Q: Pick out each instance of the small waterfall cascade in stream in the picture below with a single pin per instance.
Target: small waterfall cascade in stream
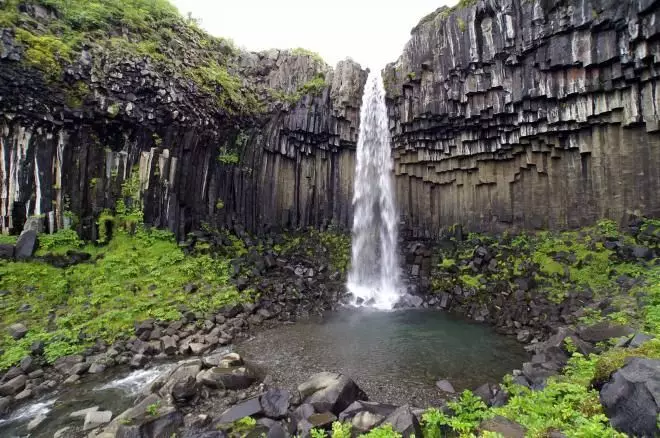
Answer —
(374, 276)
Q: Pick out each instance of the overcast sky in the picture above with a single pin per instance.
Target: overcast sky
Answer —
(372, 32)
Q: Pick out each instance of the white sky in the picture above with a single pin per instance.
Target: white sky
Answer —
(371, 32)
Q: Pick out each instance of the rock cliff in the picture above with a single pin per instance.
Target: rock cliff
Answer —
(184, 124)
(527, 113)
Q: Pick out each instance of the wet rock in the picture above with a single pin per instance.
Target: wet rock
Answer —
(11, 373)
(275, 403)
(79, 368)
(247, 408)
(26, 245)
(184, 389)
(165, 423)
(631, 398)
(94, 419)
(83, 412)
(182, 373)
(503, 426)
(5, 403)
(302, 412)
(603, 331)
(97, 367)
(322, 420)
(36, 422)
(445, 386)
(485, 392)
(17, 331)
(198, 348)
(14, 386)
(63, 432)
(226, 378)
(331, 392)
(138, 361)
(404, 421)
(524, 336)
(23, 395)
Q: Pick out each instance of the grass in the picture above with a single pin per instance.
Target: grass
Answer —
(313, 87)
(121, 29)
(133, 278)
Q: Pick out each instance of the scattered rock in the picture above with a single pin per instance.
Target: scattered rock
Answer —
(503, 426)
(94, 419)
(36, 422)
(14, 386)
(331, 392)
(138, 361)
(275, 403)
(184, 389)
(5, 402)
(322, 420)
(169, 345)
(26, 245)
(83, 412)
(226, 378)
(404, 421)
(445, 386)
(365, 421)
(63, 432)
(6, 251)
(17, 331)
(631, 398)
(638, 340)
(603, 331)
(247, 408)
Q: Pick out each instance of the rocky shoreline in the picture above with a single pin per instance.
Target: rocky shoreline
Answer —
(293, 287)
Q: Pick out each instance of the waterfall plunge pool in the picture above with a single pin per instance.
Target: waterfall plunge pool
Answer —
(395, 357)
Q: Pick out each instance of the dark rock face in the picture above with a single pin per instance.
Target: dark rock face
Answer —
(521, 112)
(26, 245)
(631, 397)
(295, 161)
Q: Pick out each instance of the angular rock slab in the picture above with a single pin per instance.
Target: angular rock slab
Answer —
(632, 395)
(330, 392)
(404, 421)
(275, 403)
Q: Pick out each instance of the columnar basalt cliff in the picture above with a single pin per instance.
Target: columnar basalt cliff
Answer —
(275, 152)
(527, 113)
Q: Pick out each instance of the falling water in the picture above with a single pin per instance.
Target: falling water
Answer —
(374, 276)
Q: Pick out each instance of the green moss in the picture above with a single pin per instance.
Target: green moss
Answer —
(411, 76)
(299, 51)
(314, 87)
(45, 52)
(133, 278)
(228, 89)
(114, 109)
(461, 24)
(75, 95)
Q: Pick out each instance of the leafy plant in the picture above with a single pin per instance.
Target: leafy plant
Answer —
(153, 409)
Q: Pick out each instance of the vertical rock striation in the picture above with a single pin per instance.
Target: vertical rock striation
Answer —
(67, 149)
(527, 113)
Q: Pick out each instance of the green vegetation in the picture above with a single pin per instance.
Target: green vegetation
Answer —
(468, 411)
(299, 51)
(135, 277)
(461, 24)
(145, 29)
(153, 409)
(313, 87)
(332, 244)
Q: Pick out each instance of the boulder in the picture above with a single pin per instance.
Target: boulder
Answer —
(638, 340)
(445, 386)
(184, 389)
(65, 364)
(631, 397)
(275, 403)
(5, 402)
(17, 331)
(83, 412)
(404, 421)
(6, 251)
(603, 331)
(503, 426)
(330, 392)
(365, 421)
(322, 420)
(94, 419)
(168, 345)
(14, 386)
(356, 407)
(165, 423)
(226, 378)
(247, 408)
(26, 245)
(277, 431)
(138, 361)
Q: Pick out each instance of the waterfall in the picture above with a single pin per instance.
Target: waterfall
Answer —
(374, 276)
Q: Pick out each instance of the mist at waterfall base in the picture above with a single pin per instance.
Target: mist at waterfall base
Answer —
(374, 278)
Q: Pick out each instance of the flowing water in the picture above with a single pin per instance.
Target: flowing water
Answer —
(395, 356)
(374, 276)
(113, 391)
